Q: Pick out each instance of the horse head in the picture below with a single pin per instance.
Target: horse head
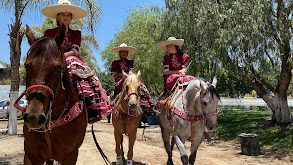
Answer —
(202, 97)
(45, 65)
(131, 91)
(210, 99)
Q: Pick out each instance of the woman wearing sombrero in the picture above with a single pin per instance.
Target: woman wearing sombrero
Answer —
(84, 79)
(174, 64)
(127, 66)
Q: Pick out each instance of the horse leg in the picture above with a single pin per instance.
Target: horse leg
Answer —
(180, 146)
(118, 139)
(33, 161)
(27, 161)
(70, 158)
(173, 142)
(50, 162)
(166, 139)
(194, 147)
(132, 138)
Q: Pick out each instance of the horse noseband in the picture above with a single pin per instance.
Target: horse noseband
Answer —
(40, 86)
(133, 93)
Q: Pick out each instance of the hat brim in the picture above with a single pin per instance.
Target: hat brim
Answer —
(130, 49)
(52, 10)
(163, 44)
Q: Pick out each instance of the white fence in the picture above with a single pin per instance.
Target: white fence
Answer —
(247, 102)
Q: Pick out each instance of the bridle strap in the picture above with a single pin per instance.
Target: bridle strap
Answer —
(133, 93)
(211, 114)
(48, 140)
(40, 86)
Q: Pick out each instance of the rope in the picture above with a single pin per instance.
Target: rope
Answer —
(107, 161)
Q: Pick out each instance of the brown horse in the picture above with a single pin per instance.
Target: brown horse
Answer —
(126, 117)
(54, 125)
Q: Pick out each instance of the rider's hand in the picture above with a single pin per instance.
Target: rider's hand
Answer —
(183, 71)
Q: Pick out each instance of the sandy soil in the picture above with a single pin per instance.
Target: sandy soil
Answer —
(148, 152)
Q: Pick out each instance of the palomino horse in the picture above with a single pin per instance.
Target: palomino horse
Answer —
(126, 116)
(54, 125)
(193, 114)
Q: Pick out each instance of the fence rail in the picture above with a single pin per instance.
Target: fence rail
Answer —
(247, 102)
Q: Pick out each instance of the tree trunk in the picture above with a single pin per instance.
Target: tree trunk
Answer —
(278, 103)
(281, 113)
(15, 53)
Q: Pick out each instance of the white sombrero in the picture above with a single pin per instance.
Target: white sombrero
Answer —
(123, 46)
(64, 6)
(171, 41)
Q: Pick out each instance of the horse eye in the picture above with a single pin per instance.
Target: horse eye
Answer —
(60, 68)
(204, 103)
(127, 87)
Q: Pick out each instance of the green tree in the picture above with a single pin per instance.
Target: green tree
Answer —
(142, 29)
(251, 39)
(19, 8)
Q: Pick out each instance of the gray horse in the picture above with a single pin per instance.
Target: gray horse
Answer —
(193, 116)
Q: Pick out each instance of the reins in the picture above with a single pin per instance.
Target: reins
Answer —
(107, 161)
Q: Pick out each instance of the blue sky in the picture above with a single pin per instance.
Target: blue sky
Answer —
(114, 14)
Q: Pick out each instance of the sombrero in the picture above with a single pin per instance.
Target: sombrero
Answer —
(171, 41)
(64, 6)
(123, 46)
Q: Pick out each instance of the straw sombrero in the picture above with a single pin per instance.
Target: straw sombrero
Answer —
(64, 6)
(171, 41)
(123, 46)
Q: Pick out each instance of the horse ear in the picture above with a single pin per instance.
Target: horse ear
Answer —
(29, 35)
(138, 74)
(59, 37)
(214, 83)
(124, 74)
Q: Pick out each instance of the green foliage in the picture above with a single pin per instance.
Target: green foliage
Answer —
(107, 81)
(232, 123)
(231, 85)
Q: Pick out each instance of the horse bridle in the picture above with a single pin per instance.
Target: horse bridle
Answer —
(127, 98)
(203, 113)
(52, 94)
(133, 93)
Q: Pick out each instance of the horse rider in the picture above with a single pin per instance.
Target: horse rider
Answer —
(84, 79)
(127, 66)
(175, 65)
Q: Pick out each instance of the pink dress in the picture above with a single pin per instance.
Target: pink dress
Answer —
(84, 79)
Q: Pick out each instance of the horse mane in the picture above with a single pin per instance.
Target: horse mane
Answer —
(210, 88)
(44, 47)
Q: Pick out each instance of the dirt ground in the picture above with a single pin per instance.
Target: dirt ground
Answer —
(146, 152)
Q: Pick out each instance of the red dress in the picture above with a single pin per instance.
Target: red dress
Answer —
(84, 79)
(119, 65)
(175, 62)
(126, 65)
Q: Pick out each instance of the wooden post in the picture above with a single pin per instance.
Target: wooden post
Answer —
(249, 144)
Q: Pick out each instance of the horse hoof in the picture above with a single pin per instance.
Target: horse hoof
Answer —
(119, 160)
(129, 162)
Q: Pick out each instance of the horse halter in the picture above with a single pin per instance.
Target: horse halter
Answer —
(40, 86)
(133, 93)
(203, 115)
(48, 89)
